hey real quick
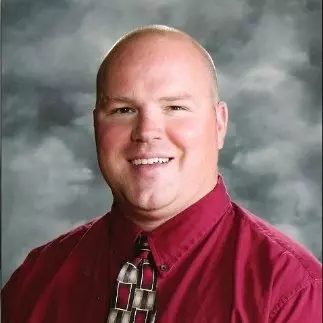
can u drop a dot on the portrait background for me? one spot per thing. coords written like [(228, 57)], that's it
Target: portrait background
[(268, 58)]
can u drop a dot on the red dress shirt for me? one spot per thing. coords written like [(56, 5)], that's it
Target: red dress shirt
[(216, 262)]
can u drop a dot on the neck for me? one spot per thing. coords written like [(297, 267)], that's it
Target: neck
[(148, 220)]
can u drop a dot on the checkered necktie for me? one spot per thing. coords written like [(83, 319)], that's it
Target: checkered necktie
[(134, 300)]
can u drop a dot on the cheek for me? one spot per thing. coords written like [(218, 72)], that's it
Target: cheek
[(111, 138), (193, 134)]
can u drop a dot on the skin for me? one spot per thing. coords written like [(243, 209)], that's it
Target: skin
[(156, 98)]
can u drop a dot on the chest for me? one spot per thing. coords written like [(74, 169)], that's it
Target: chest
[(196, 291)]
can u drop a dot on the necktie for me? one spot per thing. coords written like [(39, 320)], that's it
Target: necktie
[(134, 300)]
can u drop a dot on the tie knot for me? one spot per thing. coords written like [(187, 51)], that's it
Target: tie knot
[(142, 247)]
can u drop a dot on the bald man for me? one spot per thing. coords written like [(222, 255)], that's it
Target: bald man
[(174, 247)]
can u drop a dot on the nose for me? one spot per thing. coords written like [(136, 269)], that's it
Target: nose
[(148, 127)]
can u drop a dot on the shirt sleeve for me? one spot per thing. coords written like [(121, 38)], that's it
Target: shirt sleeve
[(14, 284), (302, 306)]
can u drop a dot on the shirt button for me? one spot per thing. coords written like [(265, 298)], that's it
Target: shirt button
[(163, 267)]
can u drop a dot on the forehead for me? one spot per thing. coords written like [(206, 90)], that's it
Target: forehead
[(155, 63)]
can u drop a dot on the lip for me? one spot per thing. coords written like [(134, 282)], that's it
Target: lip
[(150, 156), (150, 170)]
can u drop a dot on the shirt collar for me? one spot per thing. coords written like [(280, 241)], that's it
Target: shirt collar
[(174, 238)]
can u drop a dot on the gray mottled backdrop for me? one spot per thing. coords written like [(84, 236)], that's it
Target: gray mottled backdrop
[(268, 55)]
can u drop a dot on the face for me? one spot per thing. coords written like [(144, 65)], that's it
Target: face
[(158, 129)]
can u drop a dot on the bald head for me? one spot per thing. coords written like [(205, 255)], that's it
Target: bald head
[(124, 47)]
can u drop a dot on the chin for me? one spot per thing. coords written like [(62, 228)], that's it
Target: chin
[(151, 202)]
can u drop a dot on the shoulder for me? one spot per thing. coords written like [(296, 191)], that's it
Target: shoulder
[(281, 265), (43, 264), (51, 254), (68, 240), (266, 236)]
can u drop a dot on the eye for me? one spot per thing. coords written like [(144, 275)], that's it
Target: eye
[(124, 110), (176, 108)]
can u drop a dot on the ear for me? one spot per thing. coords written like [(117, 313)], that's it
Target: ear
[(221, 110)]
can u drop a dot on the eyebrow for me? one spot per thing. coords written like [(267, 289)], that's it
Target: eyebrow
[(124, 99), (182, 96)]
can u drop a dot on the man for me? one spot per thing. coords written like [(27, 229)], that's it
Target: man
[(159, 125)]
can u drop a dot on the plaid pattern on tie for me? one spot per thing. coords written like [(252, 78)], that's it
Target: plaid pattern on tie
[(134, 301)]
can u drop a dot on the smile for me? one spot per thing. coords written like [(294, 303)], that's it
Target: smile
[(151, 161)]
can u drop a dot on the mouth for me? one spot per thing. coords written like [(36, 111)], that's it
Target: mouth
[(151, 161)]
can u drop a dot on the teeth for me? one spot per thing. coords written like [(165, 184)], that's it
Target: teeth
[(150, 161)]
